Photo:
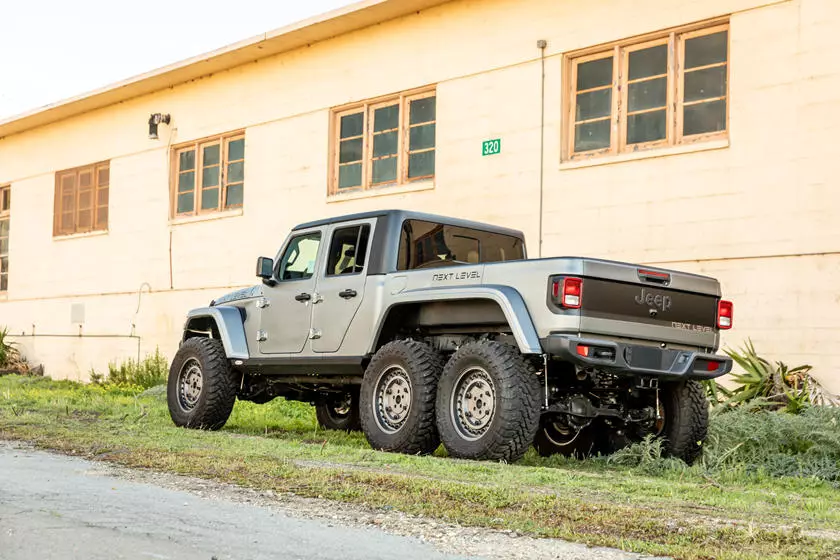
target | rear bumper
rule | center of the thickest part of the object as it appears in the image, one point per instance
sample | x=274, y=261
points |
x=630, y=359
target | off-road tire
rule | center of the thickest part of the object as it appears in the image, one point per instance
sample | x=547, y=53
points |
x=686, y=419
x=423, y=365
x=215, y=401
x=516, y=403
x=547, y=444
x=329, y=418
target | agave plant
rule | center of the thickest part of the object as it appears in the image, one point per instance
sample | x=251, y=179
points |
x=771, y=384
x=10, y=358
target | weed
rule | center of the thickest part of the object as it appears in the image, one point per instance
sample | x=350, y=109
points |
x=148, y=372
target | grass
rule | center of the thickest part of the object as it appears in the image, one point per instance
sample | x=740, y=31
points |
x=729, y=506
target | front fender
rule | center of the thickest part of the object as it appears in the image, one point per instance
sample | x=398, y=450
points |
x=508, y=299
x=231, y=329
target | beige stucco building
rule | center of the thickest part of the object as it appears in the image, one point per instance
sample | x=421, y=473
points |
x=692, y=134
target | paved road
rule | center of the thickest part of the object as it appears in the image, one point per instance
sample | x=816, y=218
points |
x=59, y=507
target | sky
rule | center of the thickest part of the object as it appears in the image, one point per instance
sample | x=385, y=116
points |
x=54, y=49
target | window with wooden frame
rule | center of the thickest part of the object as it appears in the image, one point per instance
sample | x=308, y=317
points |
x=660, y=90
x=208, y=175
x=81, y=199
x=384, y=142
x=5, y=211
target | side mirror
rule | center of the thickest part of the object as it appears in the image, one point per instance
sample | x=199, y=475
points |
x=265, y=270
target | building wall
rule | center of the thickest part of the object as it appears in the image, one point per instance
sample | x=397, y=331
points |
x=757, y=211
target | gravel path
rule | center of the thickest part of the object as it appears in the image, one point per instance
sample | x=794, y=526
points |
x=52, y=506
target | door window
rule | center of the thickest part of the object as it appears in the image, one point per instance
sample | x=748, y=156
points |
x=348, y=250
x=298, y=262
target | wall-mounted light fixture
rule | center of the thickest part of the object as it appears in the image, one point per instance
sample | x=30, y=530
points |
x=154, y=121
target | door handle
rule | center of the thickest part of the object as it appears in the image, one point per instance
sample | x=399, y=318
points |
x=303, y=297
x=347, y=294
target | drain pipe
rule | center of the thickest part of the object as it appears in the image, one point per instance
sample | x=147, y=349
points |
x=542, y=44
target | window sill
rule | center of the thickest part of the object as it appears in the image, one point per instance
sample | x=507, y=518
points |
x=79, y=235
x=646, y=154
x=382, y=191
x=206, y=217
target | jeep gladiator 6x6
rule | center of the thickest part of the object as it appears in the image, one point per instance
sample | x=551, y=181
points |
x=423, y=329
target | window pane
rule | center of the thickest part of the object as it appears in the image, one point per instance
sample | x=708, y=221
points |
x=210, y=176
x=704, y=117
x=5, y=199
x=593, y=105
x=348, y=250
x=210, y=199
x=236, y=172
x=350, y=150
x=646, y=127
x=298, y=261
x=4, y=228
x=85, y=220
x=235, y=195
x=352, y=125
x=102, y=196
x=102, y=218
x=186, y=181
x=186, y=160
x=85, y=179
x=68, y=203
x=422, y=137
x=186, y=202
x=85, y=200
x=596, y=73
x=104, y=176
x=385, y=144
x=649, y=94
x=423, y=110
x=703, y=84
x=4, y=245
x=384, y=170
x=386, y=118
x=236, y=149
x=211, y=155
x=350, y=176
x=592, y=136
x=421, y=165
x=4, y=282
x=652, y=61
x=705, y=50
x=67, y=223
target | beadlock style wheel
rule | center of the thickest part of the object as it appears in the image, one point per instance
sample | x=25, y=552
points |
x=392, y=404
x=473, y=404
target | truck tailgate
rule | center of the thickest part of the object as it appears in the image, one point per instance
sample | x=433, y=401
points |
x=649, y=303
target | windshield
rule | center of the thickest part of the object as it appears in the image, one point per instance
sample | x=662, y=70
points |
x=427, y=244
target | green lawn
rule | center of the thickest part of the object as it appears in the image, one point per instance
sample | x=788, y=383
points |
x=716, y=509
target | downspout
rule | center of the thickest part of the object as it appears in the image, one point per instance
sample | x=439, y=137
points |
x=542, y=44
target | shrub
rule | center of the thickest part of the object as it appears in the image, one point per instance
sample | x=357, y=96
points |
x=772, y=385
x=10, y=358
x=149, y=372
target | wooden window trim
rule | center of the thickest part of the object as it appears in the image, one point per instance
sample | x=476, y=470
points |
x=95, y=188
x=5, y=215
x=223, y=140
x=675, y=38
x=367, y=108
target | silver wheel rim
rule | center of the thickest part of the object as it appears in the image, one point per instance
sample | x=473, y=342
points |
x=190, y=383
x=473, y=404
x=392, y=402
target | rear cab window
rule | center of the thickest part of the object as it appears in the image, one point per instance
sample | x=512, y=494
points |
x=428, y=245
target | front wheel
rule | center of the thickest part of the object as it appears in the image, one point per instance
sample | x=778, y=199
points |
x=201, y=390
x=339, y=412
x=488, y=403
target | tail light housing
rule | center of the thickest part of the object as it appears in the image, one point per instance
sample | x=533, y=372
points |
x=568, y=292
x=724, y=315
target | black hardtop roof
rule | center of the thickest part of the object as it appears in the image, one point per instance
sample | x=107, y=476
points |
x=401, y=215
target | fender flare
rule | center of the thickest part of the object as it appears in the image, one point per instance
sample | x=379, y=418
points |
x=231, y=329
x=508, y=299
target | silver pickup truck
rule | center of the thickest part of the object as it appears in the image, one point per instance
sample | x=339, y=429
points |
x=421, y=329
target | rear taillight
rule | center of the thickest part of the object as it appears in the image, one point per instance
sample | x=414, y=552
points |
x=724, y=316
x=568, y=292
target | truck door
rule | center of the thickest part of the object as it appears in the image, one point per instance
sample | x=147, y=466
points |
x=285, y=319
x=342, y=284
